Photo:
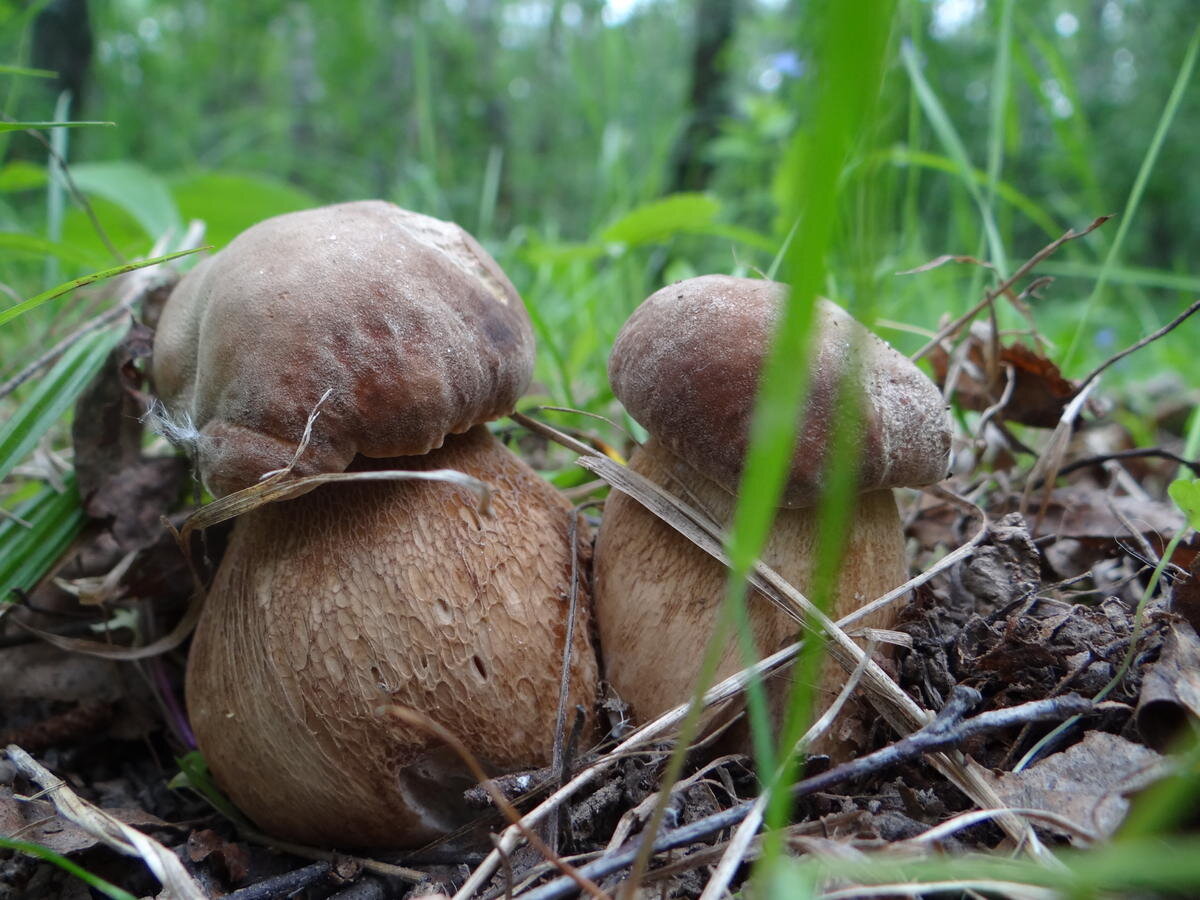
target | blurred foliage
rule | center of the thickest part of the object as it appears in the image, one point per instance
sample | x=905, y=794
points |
x=539, y=124
x=551, y=128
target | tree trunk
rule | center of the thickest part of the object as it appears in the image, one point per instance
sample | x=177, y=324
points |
x=708, y=101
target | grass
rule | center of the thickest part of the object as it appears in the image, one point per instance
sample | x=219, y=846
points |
x=94, y=881
x=1133, y=202
x=854, y=189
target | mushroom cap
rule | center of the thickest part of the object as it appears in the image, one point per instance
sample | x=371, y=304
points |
x=686, y=366
x=406, y=318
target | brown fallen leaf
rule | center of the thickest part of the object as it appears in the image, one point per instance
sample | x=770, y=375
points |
x=1085, y=513
x=232, y=860
x=37, y=822
x=1039, y=394
x=1086, y=784
x=1170, y=697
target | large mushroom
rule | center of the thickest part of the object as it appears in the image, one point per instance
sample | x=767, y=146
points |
x=686, y=366
x=327, y=607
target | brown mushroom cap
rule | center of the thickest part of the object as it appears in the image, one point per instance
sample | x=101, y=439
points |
x=686, y=366
x=410, y=322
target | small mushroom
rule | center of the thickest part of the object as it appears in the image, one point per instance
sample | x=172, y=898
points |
x=355, y=596
x=686, y=366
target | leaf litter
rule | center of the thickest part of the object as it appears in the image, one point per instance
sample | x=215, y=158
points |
x=1031, y=571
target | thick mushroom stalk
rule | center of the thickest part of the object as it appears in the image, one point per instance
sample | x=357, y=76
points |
x=686, y=366
x=328, y=607
x=331, y=606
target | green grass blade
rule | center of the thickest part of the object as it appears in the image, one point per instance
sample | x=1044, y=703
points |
x=920, y=159
x=56, y=184
x=1117, y=274
x=26, y=72
x=44, y=527
x=51, y=397
x=1001, y=71
x=957, y=151
x=7, y=315
x=94, y=881
x=1182, y=80
x=852, y=54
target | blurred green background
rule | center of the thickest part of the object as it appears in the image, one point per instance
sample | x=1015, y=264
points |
x=601, y=148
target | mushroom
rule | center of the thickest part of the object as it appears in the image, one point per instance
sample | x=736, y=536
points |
x=356, y=596
x=686, y=366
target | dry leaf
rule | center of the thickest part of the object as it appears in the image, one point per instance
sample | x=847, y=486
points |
x=37, y=822
x=1170, y=695
x=1087, y=783
x=1085, y=513
x=233, y=860
x=117, y=483
x=1039, y=395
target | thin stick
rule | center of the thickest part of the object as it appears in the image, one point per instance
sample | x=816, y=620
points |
x=954, y=327
x=1136, y=453
x=948, y=729
x=374, y=866
x=1133, y=348
x=283, y=885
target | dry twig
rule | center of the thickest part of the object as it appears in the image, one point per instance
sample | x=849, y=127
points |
x=948, y=729
x=954, y=327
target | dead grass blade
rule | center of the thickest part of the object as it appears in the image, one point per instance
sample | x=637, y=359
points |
x=271, y=491
x=1050, y=461
x=939, y=261
x=164, y=864
x=965, y=820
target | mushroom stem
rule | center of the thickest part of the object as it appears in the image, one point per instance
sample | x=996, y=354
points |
x=358, y=595
x=658, y=596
